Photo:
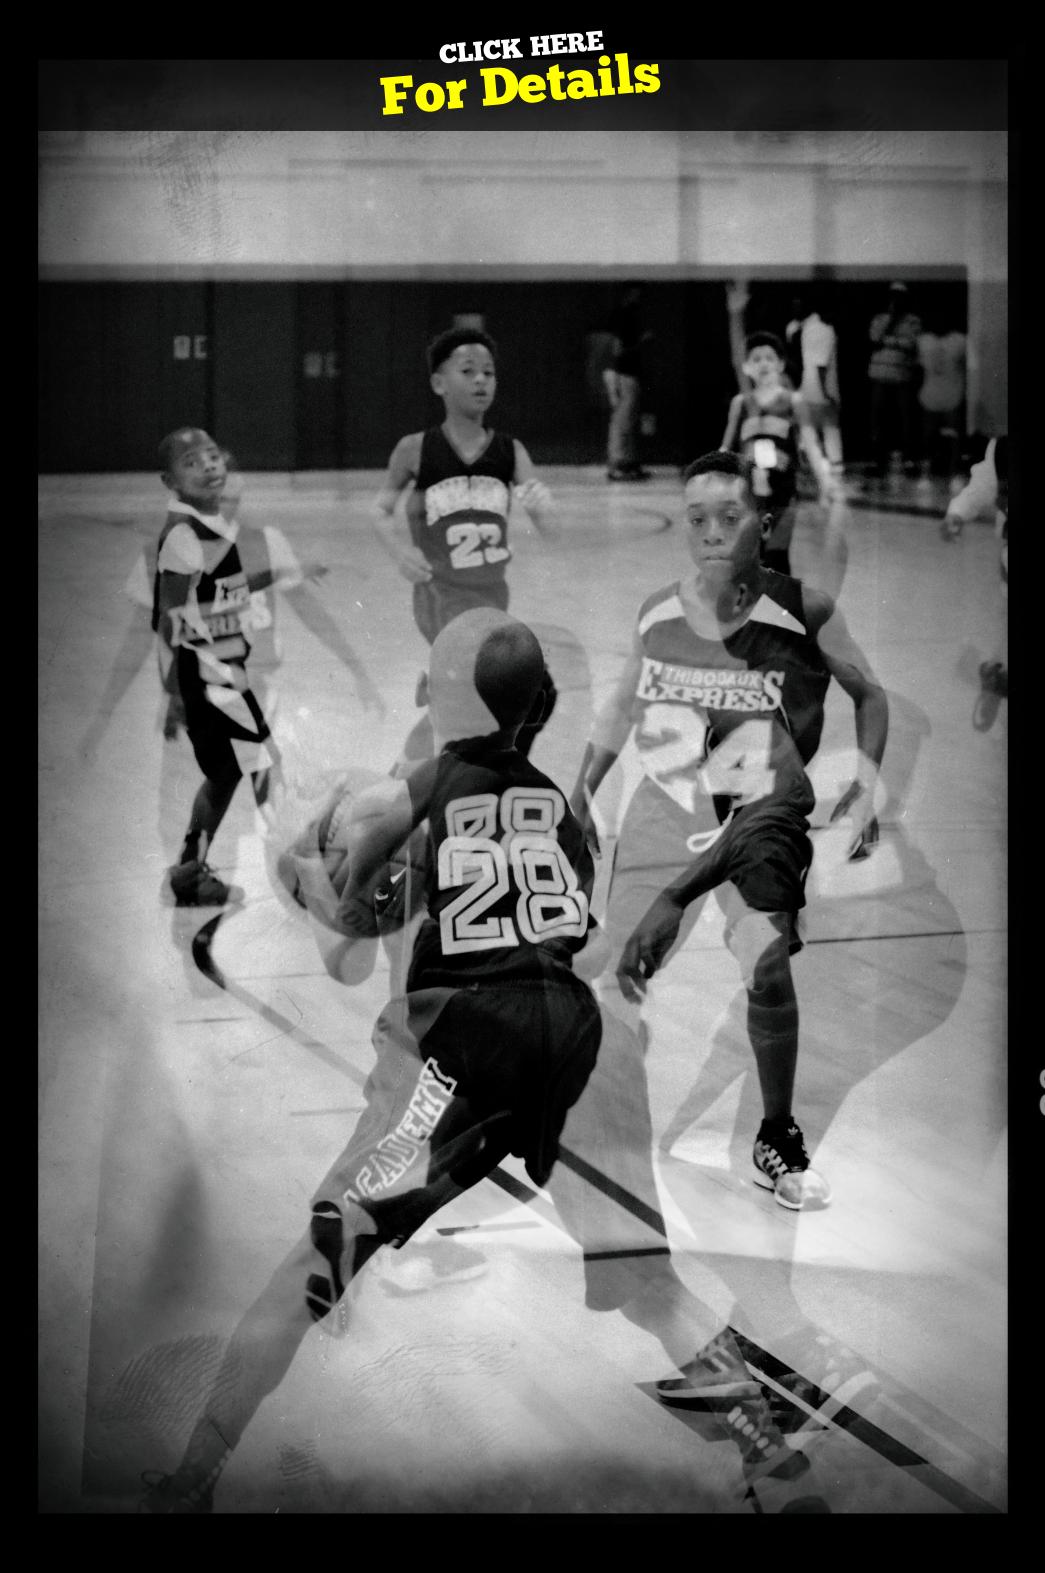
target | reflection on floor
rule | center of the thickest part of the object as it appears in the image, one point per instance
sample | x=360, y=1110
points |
x=199, y=1071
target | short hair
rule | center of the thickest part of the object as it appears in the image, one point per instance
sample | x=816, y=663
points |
x=509, y=672
x=755, y=341
x=722, y=462
x=442, y=347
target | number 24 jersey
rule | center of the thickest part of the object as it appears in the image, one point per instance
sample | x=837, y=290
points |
x=730, y=721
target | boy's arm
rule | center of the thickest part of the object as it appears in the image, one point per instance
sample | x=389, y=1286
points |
x=179, y=566
x=534, y=495
x=284, y=571
x=809, y=442
x=402, y=470
x=610, y=731
x=736, y=404
x=345, y=926
x=737, y=297
x=850, y=668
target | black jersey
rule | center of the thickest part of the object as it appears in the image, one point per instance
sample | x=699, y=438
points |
x=218, y=609
x=767, y=437
x=509, y=872
x=264, y=555
x=752, y=703
x=458, y=513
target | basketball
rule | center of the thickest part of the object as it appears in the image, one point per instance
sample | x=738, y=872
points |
x=305, y=823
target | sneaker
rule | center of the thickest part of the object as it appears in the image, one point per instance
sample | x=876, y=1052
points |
x=195, y=884
x=782, y=1166
x=623, y=472
x=779, y=1479
x=162, y=1495
x=415, y=1271
x=823, y=1373
x=323, y=1292
x=716, y=1372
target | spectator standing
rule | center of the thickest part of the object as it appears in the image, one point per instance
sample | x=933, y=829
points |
x=942, y=357
x=894, y=372
x=816, y=344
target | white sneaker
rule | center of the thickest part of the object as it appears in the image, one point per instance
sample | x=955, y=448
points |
x=419, y=1268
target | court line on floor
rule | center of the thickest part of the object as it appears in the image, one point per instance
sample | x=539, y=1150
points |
x=845, y=1419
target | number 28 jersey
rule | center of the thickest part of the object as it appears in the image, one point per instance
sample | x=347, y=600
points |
x=721, y=723
x=509, y=875
x=458, y=512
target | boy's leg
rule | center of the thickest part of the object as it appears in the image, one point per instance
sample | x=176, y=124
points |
x=256, y=1360
x=879, y=427
x=192, y=881
x=624, y=422
x=415, y=1147
x=762, y=943
x=832, y=436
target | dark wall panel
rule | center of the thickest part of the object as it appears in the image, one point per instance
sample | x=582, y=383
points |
x=112, y=379
x=320, y=377
x=254, y=365
x=329, y=375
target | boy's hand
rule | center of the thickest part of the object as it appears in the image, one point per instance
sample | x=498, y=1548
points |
x=857, y=804
x=581, y=806
x=645, y=951
x=737, y=296
x=413, y=565
x=534, y=496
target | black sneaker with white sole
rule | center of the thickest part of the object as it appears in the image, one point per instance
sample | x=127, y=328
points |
x=782, y=1166
x=716, y=1374
x=195, y=884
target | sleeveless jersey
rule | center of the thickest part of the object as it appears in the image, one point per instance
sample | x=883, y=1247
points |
x=509, y=872
x=767, y=437
x=458, y=512
x=723, y=723
x=248, y=552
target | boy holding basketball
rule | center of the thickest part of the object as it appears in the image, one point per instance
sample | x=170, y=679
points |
x=484, y=1054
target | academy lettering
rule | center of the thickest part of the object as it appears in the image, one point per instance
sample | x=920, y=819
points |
x=396, y=1152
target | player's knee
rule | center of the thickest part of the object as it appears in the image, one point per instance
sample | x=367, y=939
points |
x=759, y=941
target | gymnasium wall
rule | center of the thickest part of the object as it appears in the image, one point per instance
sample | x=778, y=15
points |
x=280, y=286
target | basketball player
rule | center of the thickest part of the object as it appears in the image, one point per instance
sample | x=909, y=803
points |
x=482, y=1056
x=724, y=692
x=767, y=424
x=204, y=613
x=461, y=476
